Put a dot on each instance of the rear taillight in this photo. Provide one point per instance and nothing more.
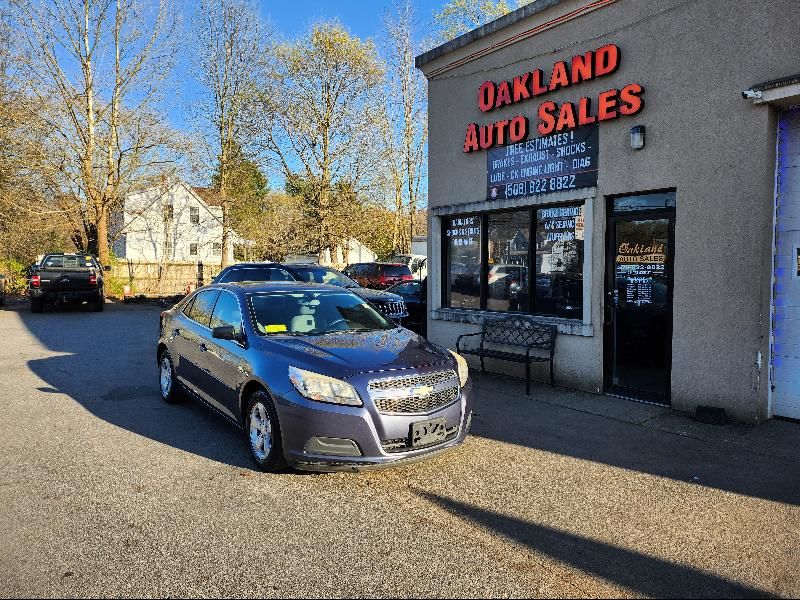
(407, 277)
(382, 278)
(35, 281)
(92, 279)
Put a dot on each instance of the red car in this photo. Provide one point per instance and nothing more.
(378, 276)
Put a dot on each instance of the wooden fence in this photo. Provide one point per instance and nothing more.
(158, 279)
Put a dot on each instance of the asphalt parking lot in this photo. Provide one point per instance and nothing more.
(107, 491)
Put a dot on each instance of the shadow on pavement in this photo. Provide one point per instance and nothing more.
(644, 574)
(107, 363)
(511, 417)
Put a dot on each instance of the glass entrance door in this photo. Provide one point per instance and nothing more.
(639, 301)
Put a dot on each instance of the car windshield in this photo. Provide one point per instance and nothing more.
(323, 275)
(314, 313)
(396, 270)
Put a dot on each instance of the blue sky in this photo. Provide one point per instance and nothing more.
(362, 17)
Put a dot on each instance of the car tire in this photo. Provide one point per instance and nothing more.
(167, 383)
(263, 433)
(37, 305)
(99, 304)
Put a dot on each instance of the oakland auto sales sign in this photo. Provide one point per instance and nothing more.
(553, 119)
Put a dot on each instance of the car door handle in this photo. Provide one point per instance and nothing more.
(203, 348)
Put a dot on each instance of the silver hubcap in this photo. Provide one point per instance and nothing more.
(260, 431)
(166, 377)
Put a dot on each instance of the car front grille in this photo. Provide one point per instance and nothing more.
(393, 309)
(404, 444)
(415, 394)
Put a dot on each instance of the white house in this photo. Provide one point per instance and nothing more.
(174, 223)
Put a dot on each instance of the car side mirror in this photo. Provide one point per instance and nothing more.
(224, 332)
(107, 268)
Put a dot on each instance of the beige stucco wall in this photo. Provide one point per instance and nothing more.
(703, 139)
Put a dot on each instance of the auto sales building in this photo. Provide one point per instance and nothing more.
(597, 164)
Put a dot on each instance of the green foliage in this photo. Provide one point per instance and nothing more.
(245, 179)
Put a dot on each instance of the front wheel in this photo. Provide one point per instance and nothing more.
(263, 433)
(166, 380)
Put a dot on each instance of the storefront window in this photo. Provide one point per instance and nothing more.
(559, 262)
(463, 289)
(542, 275)
(508, 255)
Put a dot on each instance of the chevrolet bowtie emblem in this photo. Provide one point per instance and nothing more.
(423, 391)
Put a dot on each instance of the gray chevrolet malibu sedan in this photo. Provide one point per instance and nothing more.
(315, 377)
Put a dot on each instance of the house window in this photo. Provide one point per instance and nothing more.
(216, 249)
(193, 249)
(194, 215)
(169, 247)
(528, 261)
(169, 212)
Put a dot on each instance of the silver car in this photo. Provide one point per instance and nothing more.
(315, 377)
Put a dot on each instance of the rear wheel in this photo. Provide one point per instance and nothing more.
(263, 433)
(166, 379)
(99, 304)
(37, 305)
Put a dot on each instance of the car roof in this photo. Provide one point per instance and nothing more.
(254, 264)
(276, 286)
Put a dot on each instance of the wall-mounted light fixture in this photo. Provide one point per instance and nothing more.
(637, 137)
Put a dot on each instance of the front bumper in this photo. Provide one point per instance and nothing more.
(302, 420)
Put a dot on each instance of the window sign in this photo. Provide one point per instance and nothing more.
(553, 163)
(464, 262)
(559, 261)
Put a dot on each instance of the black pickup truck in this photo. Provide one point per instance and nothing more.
(67, 278)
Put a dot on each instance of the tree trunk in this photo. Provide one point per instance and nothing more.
(226, 232)
(102, 234)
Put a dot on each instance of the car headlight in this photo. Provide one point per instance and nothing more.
(322, 388)
(463, 369)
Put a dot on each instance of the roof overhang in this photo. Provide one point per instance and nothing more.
(784, 92)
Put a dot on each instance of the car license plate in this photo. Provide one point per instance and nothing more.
(426, 433)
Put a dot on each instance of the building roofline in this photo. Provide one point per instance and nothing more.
(523, 12)
(776, 83)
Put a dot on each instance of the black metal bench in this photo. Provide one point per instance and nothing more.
(514, 331)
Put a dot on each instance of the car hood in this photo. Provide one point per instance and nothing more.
(376, 295)
(343, 355)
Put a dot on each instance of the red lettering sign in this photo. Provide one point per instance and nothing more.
(554, 117)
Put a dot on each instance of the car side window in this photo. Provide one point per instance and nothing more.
(227, 313)
(187, 309)
(203, 306)
(231, 276)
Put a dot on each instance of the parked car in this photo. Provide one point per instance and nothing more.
(314, 376)
(415, 296)
(253, 272)
(2, 290)
(378, 276)
(391, 305)
(67, 279)
(417, 264)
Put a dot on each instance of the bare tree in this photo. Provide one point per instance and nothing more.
(324, 123)
(457, 17)
(231, 43)
(406, 127)
(92, 68)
